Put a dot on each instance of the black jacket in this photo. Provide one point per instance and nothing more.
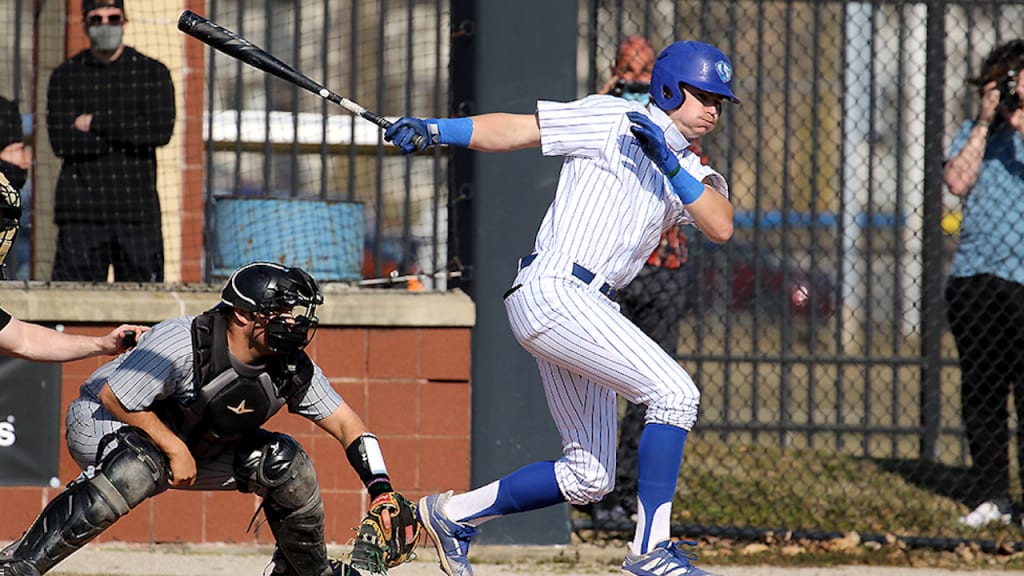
(10, 132)
(109, 173)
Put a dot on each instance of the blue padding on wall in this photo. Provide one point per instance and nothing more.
(323, 238)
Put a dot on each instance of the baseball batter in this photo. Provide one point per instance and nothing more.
(184, 410)
(627, 177)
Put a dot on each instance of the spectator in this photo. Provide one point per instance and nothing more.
(108, 108)
(985, 289)
(15, 159)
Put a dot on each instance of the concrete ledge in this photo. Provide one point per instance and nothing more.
(147, 304)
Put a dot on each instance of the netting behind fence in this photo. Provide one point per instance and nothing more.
(820, 329)
(147, 160)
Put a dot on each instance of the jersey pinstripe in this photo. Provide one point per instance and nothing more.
(610, 209)
(612, 204)
(161, 367)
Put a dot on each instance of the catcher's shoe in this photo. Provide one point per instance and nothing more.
(12, 567)
(450, 538)
(278, 566)
(666, 559)
(339, 568)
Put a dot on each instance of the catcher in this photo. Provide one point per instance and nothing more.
(185, 409)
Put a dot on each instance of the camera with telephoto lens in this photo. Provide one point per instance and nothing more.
(622, 87)
(1009, 100)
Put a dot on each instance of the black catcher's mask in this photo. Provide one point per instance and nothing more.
(270, 289)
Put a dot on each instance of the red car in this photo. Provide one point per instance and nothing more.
(739, 276)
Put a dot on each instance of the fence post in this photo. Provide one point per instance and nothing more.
(932, 306)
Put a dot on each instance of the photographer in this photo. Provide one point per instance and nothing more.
(985, 290)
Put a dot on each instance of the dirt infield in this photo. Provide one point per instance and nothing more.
(575, 560)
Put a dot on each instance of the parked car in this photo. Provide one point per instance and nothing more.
(739, 276)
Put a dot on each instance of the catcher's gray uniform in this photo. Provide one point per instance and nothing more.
(160, 367)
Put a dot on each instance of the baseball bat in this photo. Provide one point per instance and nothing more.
(220, 38)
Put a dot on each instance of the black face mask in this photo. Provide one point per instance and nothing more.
(290, 336)
(622, 87)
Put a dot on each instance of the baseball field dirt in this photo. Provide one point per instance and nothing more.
(572, 560)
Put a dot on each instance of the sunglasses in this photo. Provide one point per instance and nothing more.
(97, 19)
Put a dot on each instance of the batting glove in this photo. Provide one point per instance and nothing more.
(652, 142)
(403, 132)
(431, 132)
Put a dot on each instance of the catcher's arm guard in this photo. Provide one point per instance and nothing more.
(387, 535)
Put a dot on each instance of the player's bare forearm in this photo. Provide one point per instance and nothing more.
(713, 215)
(145, 420)
(502, 132)
(344, 425)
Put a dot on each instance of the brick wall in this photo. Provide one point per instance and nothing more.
(410, 384)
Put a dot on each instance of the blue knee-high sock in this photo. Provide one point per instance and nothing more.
(531, 487)
(659, 457)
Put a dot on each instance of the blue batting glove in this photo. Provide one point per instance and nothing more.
(652, 142)
(402, 132)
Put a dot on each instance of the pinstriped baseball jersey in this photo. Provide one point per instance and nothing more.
(161, 367)
(612, 204)
(610, 209)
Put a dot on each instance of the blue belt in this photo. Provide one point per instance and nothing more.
(578, 271)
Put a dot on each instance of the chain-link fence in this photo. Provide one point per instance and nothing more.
(254, 167)
(820, 329)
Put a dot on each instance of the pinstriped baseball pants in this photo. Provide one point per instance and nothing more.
(587, 351)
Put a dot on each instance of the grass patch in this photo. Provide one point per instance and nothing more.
(805, 507)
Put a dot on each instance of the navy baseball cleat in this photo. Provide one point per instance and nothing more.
(450, 538)
(665, 559)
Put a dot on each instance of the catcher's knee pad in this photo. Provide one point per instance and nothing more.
(132, 469)
(133, 465)
(274, 466)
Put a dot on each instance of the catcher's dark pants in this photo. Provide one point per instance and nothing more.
(655, 301)
(85, 251)
(986, 315)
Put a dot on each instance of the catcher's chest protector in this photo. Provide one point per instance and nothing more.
(228, 404)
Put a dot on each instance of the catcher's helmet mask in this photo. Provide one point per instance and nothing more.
(286, 297)
(694, 64)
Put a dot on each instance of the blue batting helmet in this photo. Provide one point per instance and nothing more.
(694, 64)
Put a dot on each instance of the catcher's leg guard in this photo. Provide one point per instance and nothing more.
(131, 471)
(275, 467)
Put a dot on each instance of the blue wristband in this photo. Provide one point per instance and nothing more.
(685, 186)
(451, 131)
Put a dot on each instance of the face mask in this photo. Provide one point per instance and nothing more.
(641, 97)
(105, 37)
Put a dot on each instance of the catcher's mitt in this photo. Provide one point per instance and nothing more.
(387, 535)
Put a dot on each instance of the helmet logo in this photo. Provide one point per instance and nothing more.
(724, 70)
